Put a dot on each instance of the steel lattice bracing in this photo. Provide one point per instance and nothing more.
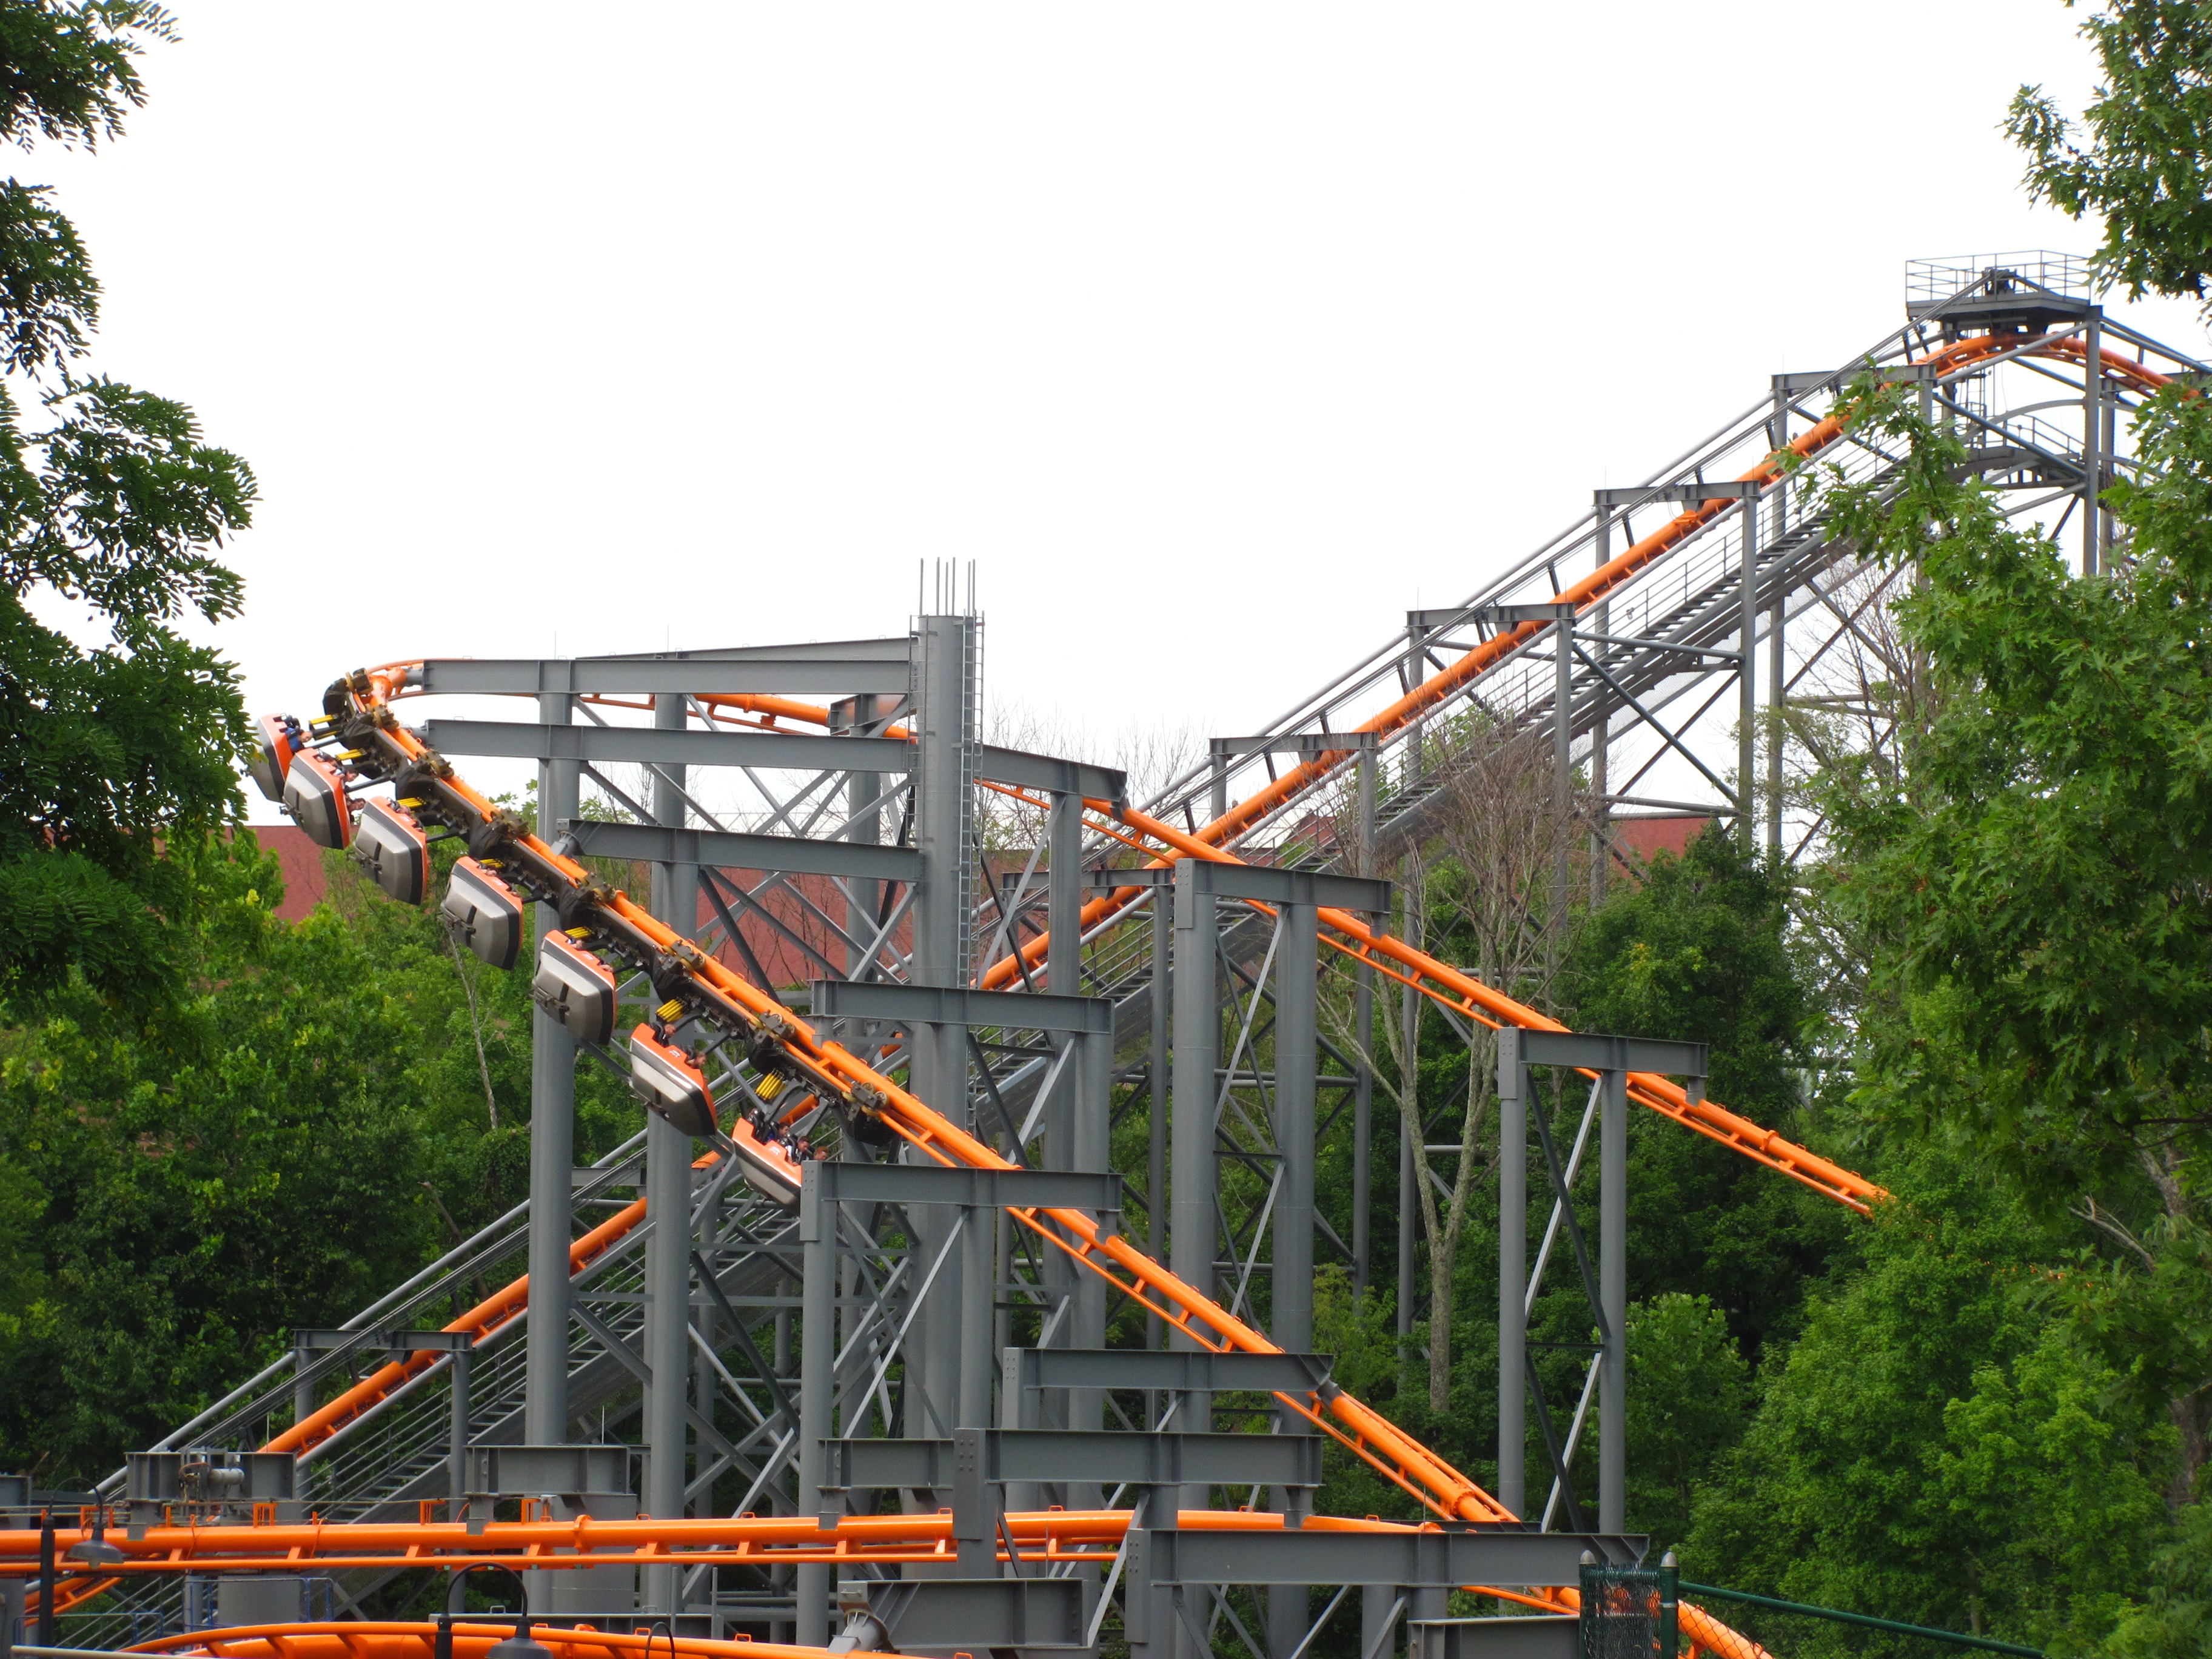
(887, 776)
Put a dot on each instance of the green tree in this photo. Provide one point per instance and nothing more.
(2036, 875)
(2143, 169)
(109, 499)
(1688, 1403)
(1936, 1447)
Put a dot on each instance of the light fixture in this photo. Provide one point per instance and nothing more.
(96, 1551)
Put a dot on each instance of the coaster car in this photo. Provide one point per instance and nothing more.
(393, 849)
(315, 796)
(484, 913)
(575, 987)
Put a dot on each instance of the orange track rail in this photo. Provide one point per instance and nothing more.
(1365, 1432)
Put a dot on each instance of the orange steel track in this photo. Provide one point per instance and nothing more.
(1365, 1432)
(381, 1639)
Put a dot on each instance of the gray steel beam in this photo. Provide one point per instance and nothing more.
(1304, 744)
(817, 1355)
(727, 849)
(664, 745)
(1512, 1269)
(1441, 1559)
(960, 1005)
(668, 1205)
(1591, 1051)
(1176, 1369)
(1364, 788)
(1001, 1615)
(1260, 884)
(1297, 1037)
(1051, 774)
(959, 1183)
(943, 724)
(1197, 1042)
(552, 1153)
(1612, 1301)
(852, 667)
(1114, 1456)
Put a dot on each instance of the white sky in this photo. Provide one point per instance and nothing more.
(1217, 334)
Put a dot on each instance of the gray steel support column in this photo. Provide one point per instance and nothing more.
(1155, 1147)
(1296, 1034)
(2092, 430)
(1362, 1022)
(668, 1206)
(1776, 728)
(1600, 856)
(1512, 1271)
(1197, 1040)
(1376, 1602)
(979, 1251)
(552, 1149)
(1612, 1300)
(1409, 1115)
(818, 1352)
(943, 722)
(865, 824)
(1064, 896)
(457, 1446)
(1747, 670)
(1562, 762)
(1068, 1101)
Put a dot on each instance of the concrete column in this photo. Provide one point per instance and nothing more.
(1197, 1042)
(1747, 670)
(1613, 1299)
(552, 1148)
(668, 1206)
(1512, 1270)
(818, 1225)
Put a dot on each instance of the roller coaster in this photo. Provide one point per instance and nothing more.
(874, 1197)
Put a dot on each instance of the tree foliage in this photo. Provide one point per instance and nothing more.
(110, 500)
(2143, 169)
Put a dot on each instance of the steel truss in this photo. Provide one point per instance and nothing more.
(863, 861)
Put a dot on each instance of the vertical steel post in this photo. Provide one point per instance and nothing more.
(1410, 1158)
(1296, 1034)
(864, 822)
(1601, 854)
(818, 1352)
(1217, 798)
(1409, 1023)
(457, 1433)
(1156, 1139)
(668, 1205)
(2092, 428)
(1362, 1022)
(1197, 1038)
(1612, 1302)
(943, 723)
(1563, 765)
(1512, 1270)
(1298, 968)
(552, 1145)
(1748, 671)
(1777, 727)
